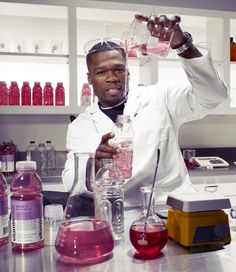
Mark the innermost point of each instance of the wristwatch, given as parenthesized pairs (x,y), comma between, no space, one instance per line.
(188,43)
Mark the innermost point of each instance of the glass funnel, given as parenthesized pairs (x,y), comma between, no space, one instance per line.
(148,233)
(83,238)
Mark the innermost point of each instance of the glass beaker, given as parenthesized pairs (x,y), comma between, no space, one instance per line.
(148,233)
(82,238)
(156,43)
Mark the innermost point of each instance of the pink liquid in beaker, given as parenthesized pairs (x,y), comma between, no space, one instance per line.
(124,162)
(84,241)
(149,242)
(161,48)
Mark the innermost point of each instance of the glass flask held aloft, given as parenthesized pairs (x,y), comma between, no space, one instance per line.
(148,234)
(124,137)
(109,196)
(83,238)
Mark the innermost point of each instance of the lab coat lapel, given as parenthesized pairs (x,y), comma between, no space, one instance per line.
(132,105)
(102,123)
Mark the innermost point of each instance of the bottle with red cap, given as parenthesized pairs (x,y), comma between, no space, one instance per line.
(85,95)
(26,94)
(60,94)
(14,94)
(37,94)
(48,94)
(3,93)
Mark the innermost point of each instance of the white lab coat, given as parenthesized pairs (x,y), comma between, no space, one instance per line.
(157,112)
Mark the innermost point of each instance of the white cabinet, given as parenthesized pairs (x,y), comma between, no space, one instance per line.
(45,43)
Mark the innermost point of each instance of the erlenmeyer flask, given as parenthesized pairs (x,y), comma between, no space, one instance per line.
(148,233)
(83,239)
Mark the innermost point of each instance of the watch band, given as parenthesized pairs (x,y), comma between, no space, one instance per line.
(189,43)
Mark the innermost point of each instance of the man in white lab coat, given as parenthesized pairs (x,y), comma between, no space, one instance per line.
(157,112)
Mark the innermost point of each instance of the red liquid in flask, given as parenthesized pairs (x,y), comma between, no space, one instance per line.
(84,241)
(150,242)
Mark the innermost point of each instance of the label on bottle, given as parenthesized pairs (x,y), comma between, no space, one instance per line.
(8,163)
(85,100)
(27,221)
(3,217)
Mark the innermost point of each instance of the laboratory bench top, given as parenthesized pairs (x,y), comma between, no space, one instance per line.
(172,258)
(54,176)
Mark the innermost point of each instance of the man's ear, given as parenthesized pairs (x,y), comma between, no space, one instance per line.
(89,78)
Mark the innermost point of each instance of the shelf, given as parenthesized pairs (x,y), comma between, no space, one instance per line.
(40,110)
(33,57)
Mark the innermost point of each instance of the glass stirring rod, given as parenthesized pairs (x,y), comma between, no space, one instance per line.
(152,189)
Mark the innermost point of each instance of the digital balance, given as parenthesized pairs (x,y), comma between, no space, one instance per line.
(198,219)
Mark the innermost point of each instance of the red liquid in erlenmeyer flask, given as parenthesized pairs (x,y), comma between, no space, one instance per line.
(84,241)
(149,243)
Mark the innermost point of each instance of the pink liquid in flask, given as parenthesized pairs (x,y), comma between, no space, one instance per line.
(148,242)
(84,241)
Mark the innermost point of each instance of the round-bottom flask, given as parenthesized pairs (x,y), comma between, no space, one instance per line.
(81,238)
(148,234)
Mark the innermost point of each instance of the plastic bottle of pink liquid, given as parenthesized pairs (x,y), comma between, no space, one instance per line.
(26,208)
(48,94)
(60,94)
(3,210)
(85,99)
(14,94)
(37,95)
(8,158)
(3,93)
(26,94)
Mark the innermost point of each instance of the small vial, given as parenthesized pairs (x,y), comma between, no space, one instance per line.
(53,215)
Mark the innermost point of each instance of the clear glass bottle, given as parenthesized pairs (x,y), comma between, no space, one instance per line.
(31,151)
(4,232)
(148,233)
(50,154)
(83,239)
(124,137)
(110,196)
(26,208)
(41,157)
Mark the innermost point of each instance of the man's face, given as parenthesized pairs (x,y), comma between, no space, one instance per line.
(108,75)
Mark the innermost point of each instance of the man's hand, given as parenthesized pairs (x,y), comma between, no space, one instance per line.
(104,150)
(157,26)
